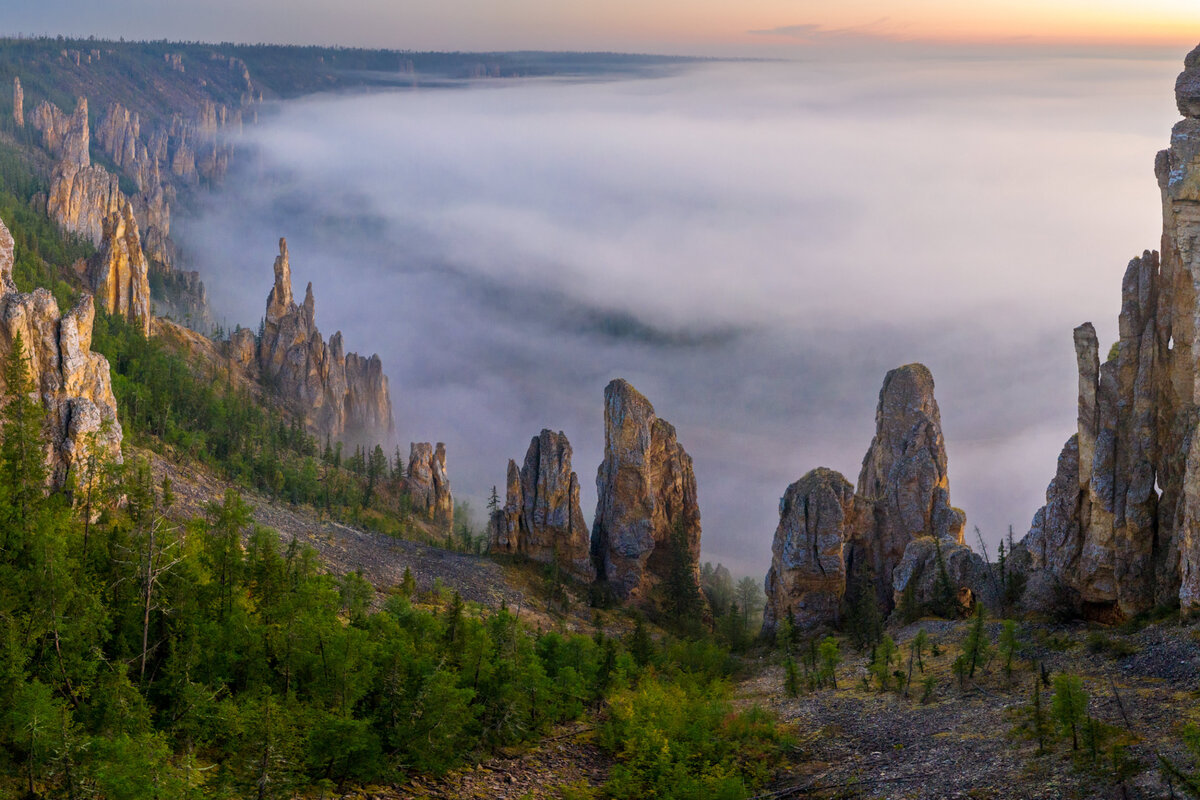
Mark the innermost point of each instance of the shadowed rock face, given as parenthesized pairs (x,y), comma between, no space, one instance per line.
(427,483)
(1120,534)
(72,382)
(646,510)
(66,137)
(339,394)
(817,516)
(541,517)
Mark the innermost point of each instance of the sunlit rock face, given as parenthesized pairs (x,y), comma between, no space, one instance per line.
(66,136)
(541,517)
(72,382)
(119,274)
(647,517)
(1118,527)
(339,395)
(428,484)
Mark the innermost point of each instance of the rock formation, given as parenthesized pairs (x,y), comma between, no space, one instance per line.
(818,515)
(72,382)
(427,484)
(119,274)
(18,103)
(904,476)
(832,539)
(1119,521)
(541,517)
(646,510)
(66,137)
(338,395)
(82,197)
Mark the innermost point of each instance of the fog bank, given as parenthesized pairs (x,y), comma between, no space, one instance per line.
(752,245)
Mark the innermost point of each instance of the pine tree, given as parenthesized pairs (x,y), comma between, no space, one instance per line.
(1069,705)
(493,502)
(945,600)
(977,646)
(21,456)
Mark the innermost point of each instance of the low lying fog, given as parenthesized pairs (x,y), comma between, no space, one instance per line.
(752,245)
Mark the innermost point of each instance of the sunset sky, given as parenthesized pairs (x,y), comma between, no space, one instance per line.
(717,27)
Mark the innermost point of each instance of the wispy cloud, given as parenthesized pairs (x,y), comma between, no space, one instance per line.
(882,28)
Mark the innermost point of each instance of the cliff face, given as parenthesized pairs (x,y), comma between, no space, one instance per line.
(338,395)
(1118,525)
(541,517)
(646,510)
(831,539)
(73,383)
(119,274)
(428,485)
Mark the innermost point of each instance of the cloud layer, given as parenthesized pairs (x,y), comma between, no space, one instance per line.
(752,245)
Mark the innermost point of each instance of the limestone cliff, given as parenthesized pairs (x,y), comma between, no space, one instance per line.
(541,518)
(81,198)
(118,273)
(1118,525)
(646,510)
(18,103)
(428,485)
(72,382)
(338,395)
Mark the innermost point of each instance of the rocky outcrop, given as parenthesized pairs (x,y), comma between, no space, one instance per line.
(82,198)
(427,484)
(1117,529)
(647,517)
(919,573)
(18,103)
(904,475)
(339,395)
(832,539)
(72,382)
(818,515)
(66,137)
(118,273)
(541,518)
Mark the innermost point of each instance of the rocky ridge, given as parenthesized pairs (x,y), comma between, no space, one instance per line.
(541,517)
(18,103)
(1118,527)
(72,382)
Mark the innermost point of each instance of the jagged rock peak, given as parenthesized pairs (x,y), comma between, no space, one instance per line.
(541,517)
(818,514)
(18,103)
(279,302)
(427,483)
(646,510)
(338,394)
(904,474)
(73,382)
(81,198)
(119,274)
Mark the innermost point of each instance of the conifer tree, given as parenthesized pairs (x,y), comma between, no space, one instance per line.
(21,455)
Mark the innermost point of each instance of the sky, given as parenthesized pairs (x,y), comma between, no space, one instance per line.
(752,245)
(699,27)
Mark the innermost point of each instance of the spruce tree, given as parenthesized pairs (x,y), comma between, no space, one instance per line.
(21,455)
